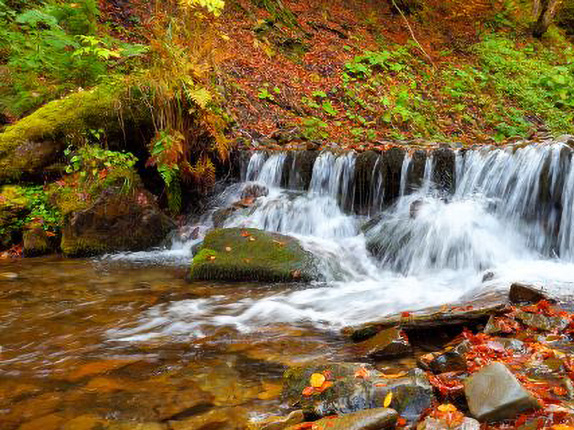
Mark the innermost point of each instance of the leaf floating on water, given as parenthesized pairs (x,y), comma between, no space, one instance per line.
(393,375)
(251,239)
(362,373)
(228,248)
(247,260)
(245,233)
(317,380)
(278,242)
(388,399)
(448,407)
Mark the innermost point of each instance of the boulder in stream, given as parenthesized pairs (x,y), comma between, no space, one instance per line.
(387,343)
(493,394)
(523,293)
(115,221)
(248,254)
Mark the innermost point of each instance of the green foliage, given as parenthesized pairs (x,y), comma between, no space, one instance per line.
(314,129)
(52,48)
(264,94)
(166,155)
(23,206)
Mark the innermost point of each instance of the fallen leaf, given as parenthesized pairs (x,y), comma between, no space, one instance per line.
(362,373)
(228,248)
(393,375)
(388,399)
(251,239)
(447,408)
(401,422)
(211,257)
(317,380)
(326,385)
(279,243)
(308,391)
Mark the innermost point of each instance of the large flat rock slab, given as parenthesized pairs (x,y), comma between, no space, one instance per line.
(494,393)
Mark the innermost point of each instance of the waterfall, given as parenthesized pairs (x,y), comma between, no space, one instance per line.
(510,212)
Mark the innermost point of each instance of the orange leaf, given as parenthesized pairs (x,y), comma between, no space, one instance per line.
(447,408)
(362,373)
(308,391)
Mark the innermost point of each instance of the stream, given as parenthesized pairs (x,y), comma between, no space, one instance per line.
(125,338)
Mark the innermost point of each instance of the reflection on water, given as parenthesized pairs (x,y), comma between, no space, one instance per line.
(61,361)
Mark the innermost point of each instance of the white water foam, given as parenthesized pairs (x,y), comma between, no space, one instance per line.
(428,248)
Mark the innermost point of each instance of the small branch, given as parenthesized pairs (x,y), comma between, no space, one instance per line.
(413,33)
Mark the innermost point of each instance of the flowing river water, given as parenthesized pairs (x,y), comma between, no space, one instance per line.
(124,338)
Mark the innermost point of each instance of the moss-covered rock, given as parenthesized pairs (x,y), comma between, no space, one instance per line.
(235,254)
(13,209)
(116,221)
(38,242)
(29,147)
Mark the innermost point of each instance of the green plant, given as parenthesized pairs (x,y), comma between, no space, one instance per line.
(314,128)
(264,94)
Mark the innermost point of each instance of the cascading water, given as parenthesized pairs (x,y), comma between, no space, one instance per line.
(511,213)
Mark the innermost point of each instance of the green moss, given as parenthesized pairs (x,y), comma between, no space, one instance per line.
(252,255)
(37,140)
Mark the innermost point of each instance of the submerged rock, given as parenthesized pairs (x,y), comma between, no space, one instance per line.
(236,254)
(116,221)
(370,419)
(355,386)
(493,393)
(280,423)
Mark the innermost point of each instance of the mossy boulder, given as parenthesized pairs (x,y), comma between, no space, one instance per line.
(117,220)
(237,254)
(38,242)
(13,209)
(33,146)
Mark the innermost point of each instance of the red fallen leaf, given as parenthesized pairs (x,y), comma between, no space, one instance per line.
(401,422)
(303,426)
(245,233)
(405,314)
(308,391)
(560,391)
(326,385)
(50,234)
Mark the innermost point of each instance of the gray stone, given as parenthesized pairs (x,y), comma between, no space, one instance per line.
(494,393)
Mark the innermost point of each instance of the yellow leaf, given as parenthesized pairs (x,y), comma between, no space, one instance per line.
(317,380)
(388,399)
(447,408)
(561,427)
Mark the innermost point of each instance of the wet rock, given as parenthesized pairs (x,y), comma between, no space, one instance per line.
(392,165)
(351,390)
(371,419)
(220,216)
(13,207)
(442,424)
(412,395)
(37,242)
(415,208)
(300,170)
(444,169)
(523,293)
(254,191)
(542,322)
(368,168)
(386,344)
(237,254)
(514,345)
(501,325)
(416,170)
(449,361)
(493,393)
(280,423)
(435,317)
(116,221)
